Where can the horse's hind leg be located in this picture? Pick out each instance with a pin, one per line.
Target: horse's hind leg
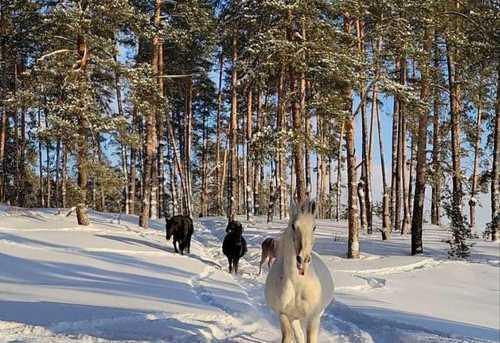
(286, 329)
(313, 329)
(297, 331)
(175, 246)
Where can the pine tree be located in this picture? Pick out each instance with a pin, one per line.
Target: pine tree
(418, 206)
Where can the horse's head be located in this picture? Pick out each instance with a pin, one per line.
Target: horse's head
(234, 226)
(302, 225)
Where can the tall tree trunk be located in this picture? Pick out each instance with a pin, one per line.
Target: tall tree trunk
(233, 170)
(81, 208)
(188, 142)
(362, 206)
(298, 145)
(64, 175)
(21, 193)
(133, 169)
(141, 169)
(173, 185)
(187, 206)
(405, 225)
(339, 173)
(3, 111)
(249, 164)
(281, 146)
(368, 179)
(495, 172)
(395, 194)
(324, 171)
(224, 166)
(474, 177)
(153, 204)
(307, 133)
(122, 145)
(318, 171)
(256, 187)
(17, 140)
(365, 210)
(257, 164)
(420, 181)
(160, 124)
(57, 190)
(272, 194)
(352, 211)
(436, 147)
(3, 165)
(325, 177)
(150, 149)
(263, 167)
(41, 195)
(204, 169)
(102, 196)
(16, 172)
(124, 159)
(297, 93)
(219, 180)
(244, 165)
(410, 173)
(47, 165)
(454, 87)
(386, 216)
(157, 172)
(306, 115)
(94, 192)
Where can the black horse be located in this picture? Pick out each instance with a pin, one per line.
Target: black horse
(181, 228)
(234, 245)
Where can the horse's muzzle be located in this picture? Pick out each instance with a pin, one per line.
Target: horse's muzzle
(301, 264)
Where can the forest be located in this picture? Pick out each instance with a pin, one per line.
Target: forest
(384, 111)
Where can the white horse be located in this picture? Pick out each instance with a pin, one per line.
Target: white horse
(299, 286)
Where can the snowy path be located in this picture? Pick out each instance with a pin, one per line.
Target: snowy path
(342, 323)
(114, 281)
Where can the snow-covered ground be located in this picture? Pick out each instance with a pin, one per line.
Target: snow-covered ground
(115, 281)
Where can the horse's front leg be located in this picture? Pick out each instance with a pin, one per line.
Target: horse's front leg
(286, 329)
(313, 329)
(235, 265)
(175, 246)
(297, 330)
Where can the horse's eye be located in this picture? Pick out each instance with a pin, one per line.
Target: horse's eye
(293, 227)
